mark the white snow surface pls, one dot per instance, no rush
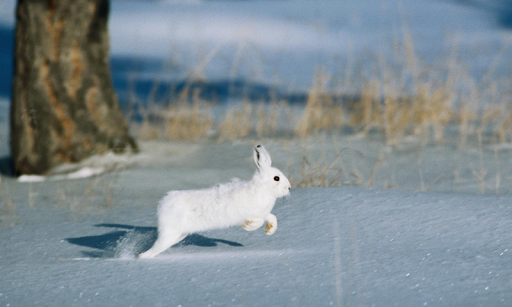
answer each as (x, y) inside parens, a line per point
(340, 246)
(281, 43)
(82, 173)
(335, 246)
(90, 167)
(31, 178)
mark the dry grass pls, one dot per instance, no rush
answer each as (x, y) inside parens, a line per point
(321, 173)
(267, 118)
(238, 123)
(255, 119)
(341, 166)
(367, 112)
(402, 100)
(424, 114)
(7, 207)
(322, 111)
(183, 120)
(97, 197)
(188, 122)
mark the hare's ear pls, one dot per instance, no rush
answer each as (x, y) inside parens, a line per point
(262, 158)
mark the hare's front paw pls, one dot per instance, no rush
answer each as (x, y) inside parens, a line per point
(253, 224)
(271, 227)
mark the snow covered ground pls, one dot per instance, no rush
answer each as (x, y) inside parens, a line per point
(74, 240)
(334, 247)
(265, 45)
(259, 47)
(340, 246)
(310, 33)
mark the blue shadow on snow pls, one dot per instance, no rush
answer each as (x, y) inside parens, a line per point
(142, 238)
(125, 70)
(501, 8)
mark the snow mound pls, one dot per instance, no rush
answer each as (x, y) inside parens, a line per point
(85, 172)
(93, 166)
(31, 178)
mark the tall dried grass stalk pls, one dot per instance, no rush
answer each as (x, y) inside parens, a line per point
(186, 121)
(7, 207)
(237, 123)
(322, 111)
(400, 99)
(96, 197)
(367, 113)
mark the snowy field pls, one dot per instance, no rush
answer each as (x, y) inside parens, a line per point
(262, 46)
(334, 247)
(407, 226)
(74, 242)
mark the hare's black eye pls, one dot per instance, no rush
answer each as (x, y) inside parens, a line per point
(276, 178)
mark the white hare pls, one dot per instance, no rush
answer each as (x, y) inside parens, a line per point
(246, 203)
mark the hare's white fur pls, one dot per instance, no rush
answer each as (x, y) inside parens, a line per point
(237, 202)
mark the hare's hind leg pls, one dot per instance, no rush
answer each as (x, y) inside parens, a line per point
(164, 241)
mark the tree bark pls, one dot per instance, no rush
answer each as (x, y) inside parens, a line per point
(64, 107)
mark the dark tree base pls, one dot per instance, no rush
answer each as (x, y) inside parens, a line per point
(64, 107)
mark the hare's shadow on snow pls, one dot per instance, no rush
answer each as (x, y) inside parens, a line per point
(131, 240)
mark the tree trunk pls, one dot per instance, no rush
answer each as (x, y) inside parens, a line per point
(64, 107)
